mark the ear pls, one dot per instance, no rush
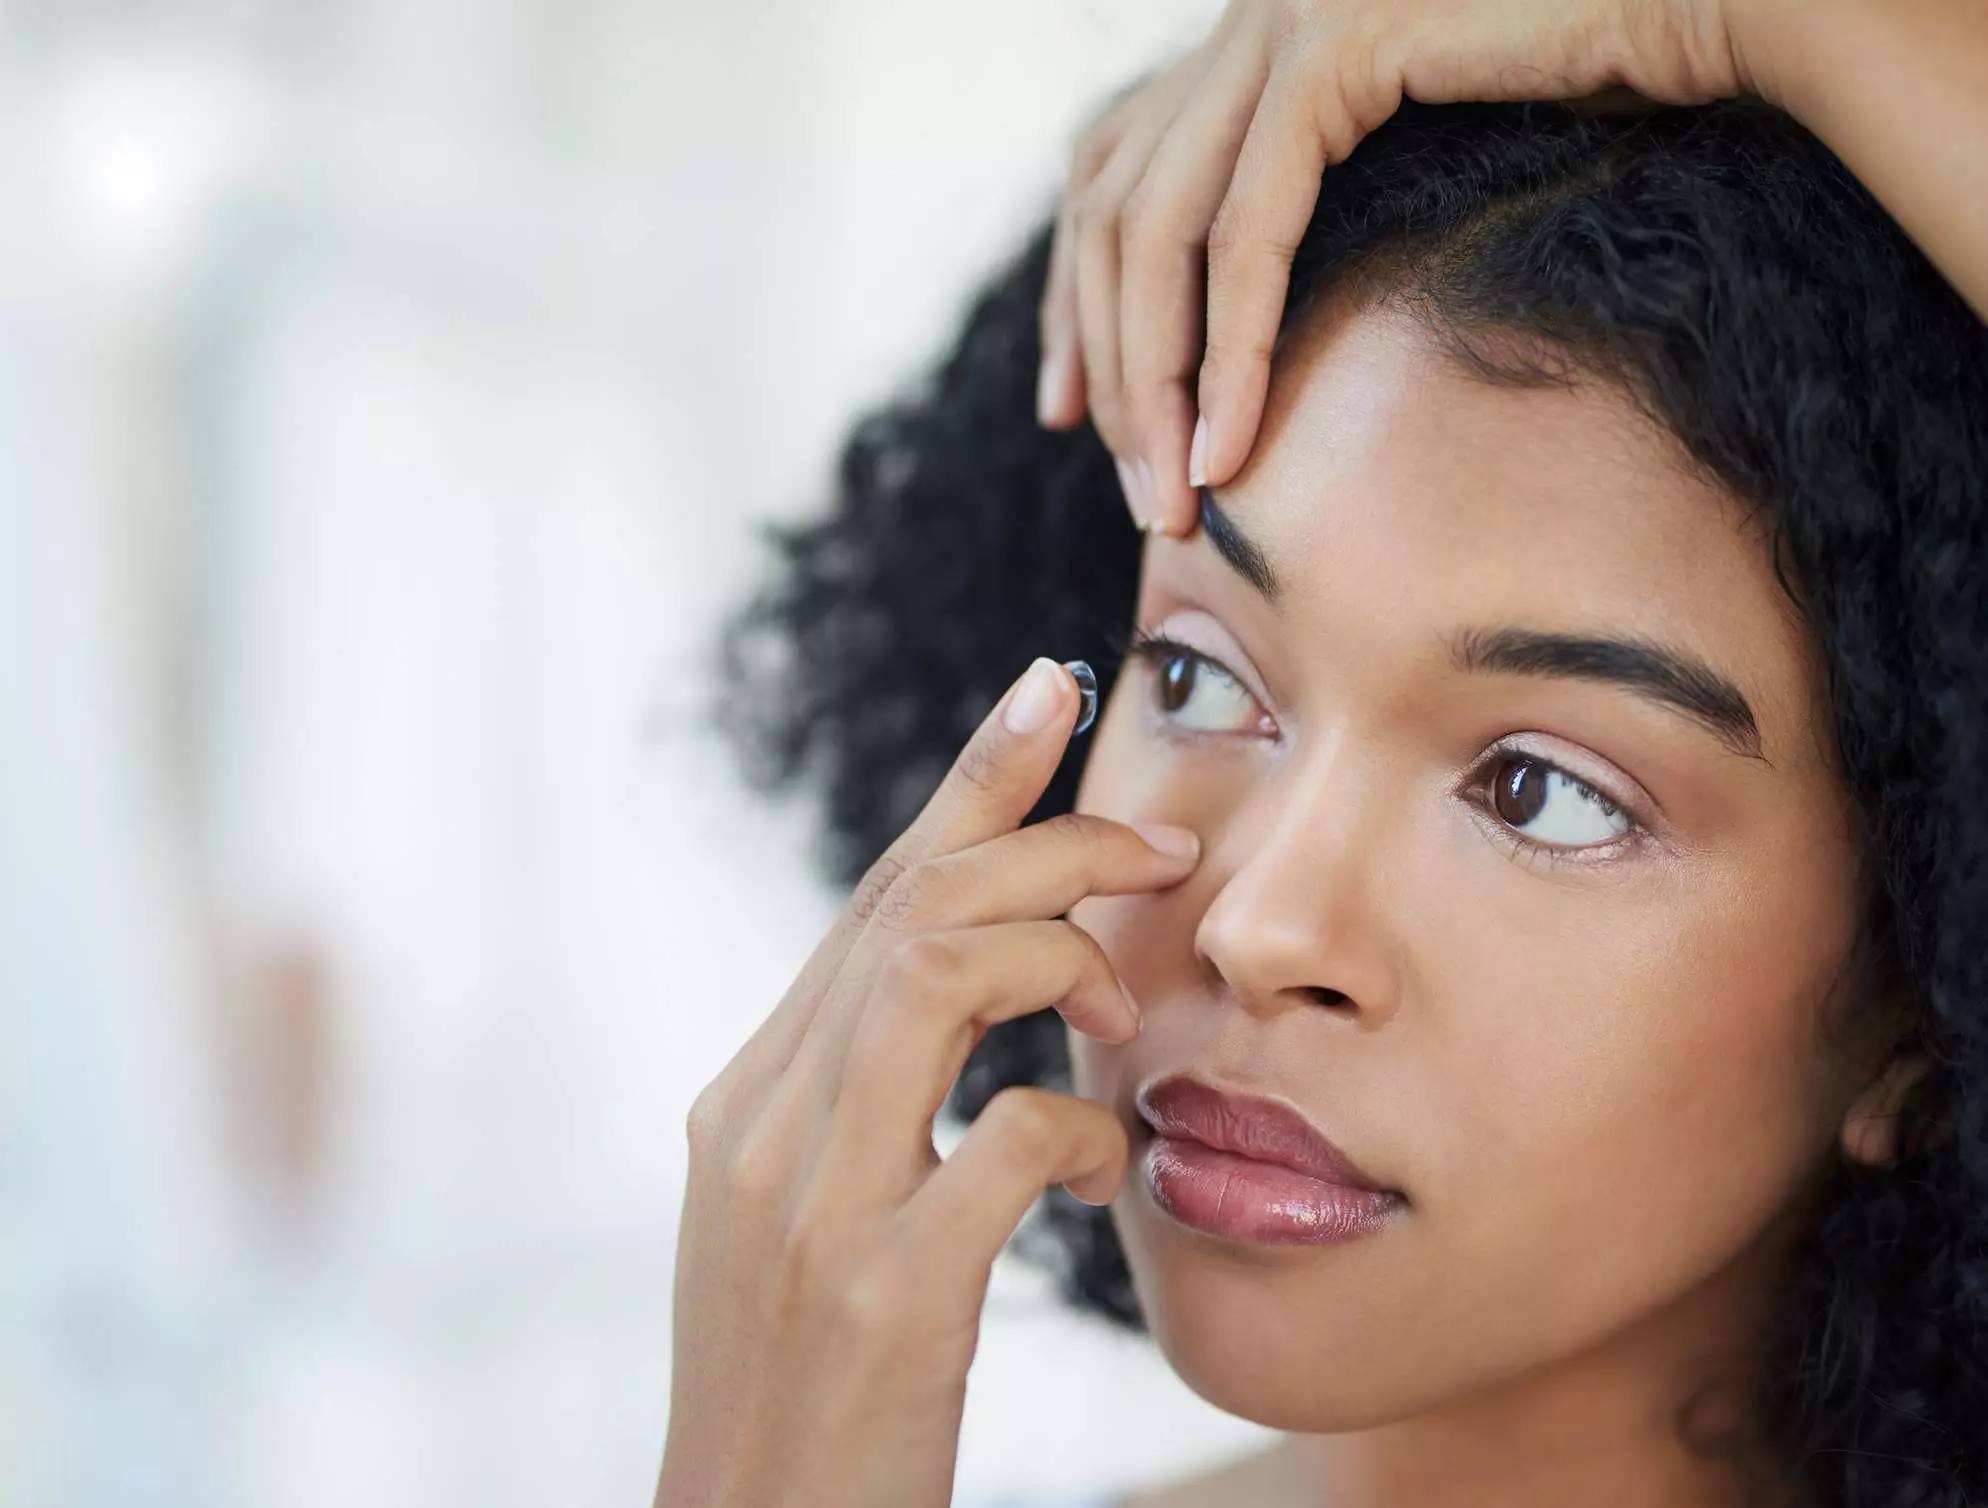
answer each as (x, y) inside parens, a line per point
(1870, 1126)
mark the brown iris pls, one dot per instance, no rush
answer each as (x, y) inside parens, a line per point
(1176, 681)
(1519, 790)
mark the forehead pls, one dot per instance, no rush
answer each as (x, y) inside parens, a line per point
(1400, 495)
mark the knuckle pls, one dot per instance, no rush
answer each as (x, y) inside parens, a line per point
(1235, 234)
(868, 1305)
(1227, 235)
(922, 966)
(1075, 830)
(1230, 351)
(1092, 152)
(1088, 948)
(907, 905)
(1026, 1123)
(1291, 31)
(1145, 217)
(877, 882)
(979, 768)
(1095, 214)
(756, 1175)
(710, 1114)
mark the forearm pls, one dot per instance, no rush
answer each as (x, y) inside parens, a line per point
(1899, 90)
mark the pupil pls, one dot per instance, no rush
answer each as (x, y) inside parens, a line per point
(1176, 682)
(1521, 792)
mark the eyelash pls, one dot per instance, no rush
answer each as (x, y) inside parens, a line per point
(1155, 649)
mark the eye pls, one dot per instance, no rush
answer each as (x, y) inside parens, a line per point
(1193, 691)
(1546, 805)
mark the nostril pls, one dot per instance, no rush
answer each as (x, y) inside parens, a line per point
(1325, 996)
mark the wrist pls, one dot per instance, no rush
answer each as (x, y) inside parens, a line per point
(1785, 50)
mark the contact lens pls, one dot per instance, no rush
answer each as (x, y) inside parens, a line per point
(1087, 685)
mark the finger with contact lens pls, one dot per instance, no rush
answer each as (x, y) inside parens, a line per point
(993, 784)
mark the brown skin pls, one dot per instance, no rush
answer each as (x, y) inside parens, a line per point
(1604, 1088)
(1607, 1088)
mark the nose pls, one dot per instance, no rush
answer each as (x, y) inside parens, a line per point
(1301, 917)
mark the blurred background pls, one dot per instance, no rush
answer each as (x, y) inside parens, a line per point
(389, 394)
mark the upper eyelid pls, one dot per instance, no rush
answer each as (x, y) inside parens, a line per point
(1631, 802)
(1150, 642)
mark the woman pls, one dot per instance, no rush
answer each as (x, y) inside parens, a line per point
(1521, 1023)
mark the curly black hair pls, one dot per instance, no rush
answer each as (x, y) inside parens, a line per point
(1725, 268)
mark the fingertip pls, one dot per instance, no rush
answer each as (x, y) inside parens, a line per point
(1045, 390)
(1182, 509)
(1128, 484)
(1037, 697)
(1058, 395)
(1132, 1011)
(1197, 453)
(1097, 1189)
(1181, 843)
(1169, 504)
(1231, 414)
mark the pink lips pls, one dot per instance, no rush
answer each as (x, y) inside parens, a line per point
(1250, 1169)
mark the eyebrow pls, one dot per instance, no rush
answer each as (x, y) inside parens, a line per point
(1666, 676)
(1237, 548)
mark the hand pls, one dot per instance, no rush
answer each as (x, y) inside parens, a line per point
(1211, 171)
(831, 1267)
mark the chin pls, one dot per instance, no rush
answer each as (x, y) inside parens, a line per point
(1313, 1339)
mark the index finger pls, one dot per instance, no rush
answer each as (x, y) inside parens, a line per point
(1298, 128)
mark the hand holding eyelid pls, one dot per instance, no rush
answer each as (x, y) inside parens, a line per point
(1184, 207)
(826, 1246)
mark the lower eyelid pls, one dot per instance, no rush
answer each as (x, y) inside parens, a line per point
(1556, 853)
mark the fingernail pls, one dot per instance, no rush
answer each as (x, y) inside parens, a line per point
(1128, 482)
(1149, 495)
(1036, 699)
(1049, 383)
(1197, 454)
(1175, 842)
(1138, 1016)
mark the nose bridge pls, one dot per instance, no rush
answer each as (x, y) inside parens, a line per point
(1298, 865)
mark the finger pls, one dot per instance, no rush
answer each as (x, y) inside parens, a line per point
(1059, 385)
(1163, 258)
(1035, 874)
(1096, 218)
(935, 997)
(1038, 871)
(993, 784)
(1059, 388)
(1300, 125)
(1096, 211)
(1025, 1140)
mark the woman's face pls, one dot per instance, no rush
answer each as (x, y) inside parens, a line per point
(1548, 952)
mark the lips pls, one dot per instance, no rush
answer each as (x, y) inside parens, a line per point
(1248, 1125)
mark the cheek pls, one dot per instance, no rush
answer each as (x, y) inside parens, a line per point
(1635, 1090)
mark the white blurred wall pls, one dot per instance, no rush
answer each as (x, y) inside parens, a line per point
(388, 390)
